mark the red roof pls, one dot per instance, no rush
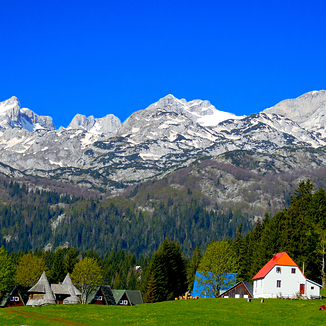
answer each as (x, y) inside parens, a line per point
(280, 259)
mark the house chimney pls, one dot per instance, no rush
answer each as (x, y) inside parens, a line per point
(274, 256)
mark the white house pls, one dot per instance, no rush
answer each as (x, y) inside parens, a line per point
(281, 277)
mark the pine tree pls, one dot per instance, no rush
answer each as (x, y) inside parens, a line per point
(241, 255)
(167, 266)
(58, 270)
(71, 259)
(150, 295)
(7, 269)
(192, 267)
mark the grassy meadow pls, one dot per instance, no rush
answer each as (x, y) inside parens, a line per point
(194, 312)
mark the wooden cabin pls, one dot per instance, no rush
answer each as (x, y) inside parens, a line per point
(101, 295)
(239, 290)
(18, 296)
(127, 297)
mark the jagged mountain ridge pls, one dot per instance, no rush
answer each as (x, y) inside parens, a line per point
(168, 135)
(12, 115)
(308, 110)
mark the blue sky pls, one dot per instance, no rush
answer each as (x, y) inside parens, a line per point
(98, 57)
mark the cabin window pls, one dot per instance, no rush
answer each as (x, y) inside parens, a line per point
(17, 299)
(12, 298)
(278, 269)
(312, 287)
(293, 270)
(99, 298)
(278, 283)
(123, 302)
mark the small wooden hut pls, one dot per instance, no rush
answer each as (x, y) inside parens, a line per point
(239, 290)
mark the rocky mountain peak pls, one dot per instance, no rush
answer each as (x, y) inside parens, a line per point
(202, 112)
(9, 104)
(301, 108)
(308, 110)
(12, 115)
(108, 125)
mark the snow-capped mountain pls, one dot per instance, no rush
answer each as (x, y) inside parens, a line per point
(202, 112)
(12, 115)
(169, 134)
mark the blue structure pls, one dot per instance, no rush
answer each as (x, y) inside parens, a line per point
(199, 290)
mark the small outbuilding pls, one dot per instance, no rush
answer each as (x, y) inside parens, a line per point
(127, 297)
(240, 290)
(101, 295)
(18, 296)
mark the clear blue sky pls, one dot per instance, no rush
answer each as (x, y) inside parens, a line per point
(98, 57)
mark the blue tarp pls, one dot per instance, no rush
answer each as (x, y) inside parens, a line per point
(229, 280)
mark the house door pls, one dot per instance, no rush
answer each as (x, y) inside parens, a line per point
(301, 288)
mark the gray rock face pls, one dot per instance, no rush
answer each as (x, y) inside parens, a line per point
(108, 125)
(11, 115)
(81, 122)
(308, 110)
(151, 143)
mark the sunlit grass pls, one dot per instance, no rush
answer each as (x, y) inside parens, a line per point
(203, 311)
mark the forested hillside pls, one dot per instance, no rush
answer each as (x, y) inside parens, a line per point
(33, 220)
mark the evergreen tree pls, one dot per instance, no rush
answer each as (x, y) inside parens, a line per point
(241, 256)
(7, 269)
(58, 271)
(71, 259)
(150, 295)
(192, 268)
(167, 267)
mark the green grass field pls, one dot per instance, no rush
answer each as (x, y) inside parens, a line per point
(193, 312)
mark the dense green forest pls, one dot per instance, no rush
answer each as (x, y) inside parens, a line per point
(31, 220)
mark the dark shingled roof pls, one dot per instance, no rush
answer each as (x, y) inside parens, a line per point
(134, 297)
(107, 292)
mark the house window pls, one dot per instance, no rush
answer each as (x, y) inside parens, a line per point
(12, 298)
(293, 270)
(278, 269)
(17, 299)
(312, 287)
(278, 283)
(99, 298)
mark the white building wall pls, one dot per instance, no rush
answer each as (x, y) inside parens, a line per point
(312, 290)
(289, 283)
